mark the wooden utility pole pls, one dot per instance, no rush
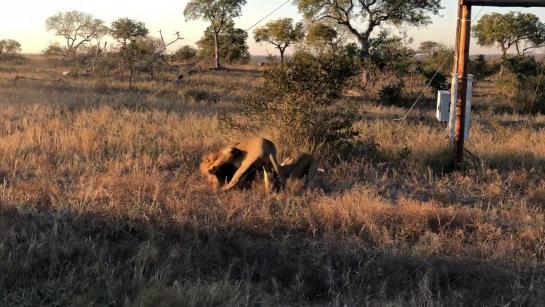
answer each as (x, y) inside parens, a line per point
(461, 71)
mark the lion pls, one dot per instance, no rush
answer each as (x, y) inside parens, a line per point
(222, 175)
(245, 157)
(297, 171)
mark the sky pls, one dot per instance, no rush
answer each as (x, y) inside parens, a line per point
(24, 20)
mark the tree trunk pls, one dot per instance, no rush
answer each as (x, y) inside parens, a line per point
(362, 37)
(365, 73)
(364, 44)
(217, 50)
(282, 51)
(130, 78)
(503, 57)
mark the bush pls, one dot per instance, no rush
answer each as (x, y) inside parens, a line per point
(391, 94)
(54, 49)
(523, 84)
(108, 64)
(9, 51)
(438, 80)
(390, 60)
(185, 54)
(322, 78)
(9, 46)
(299, 100)
(521, 66)
(481, 69)
(434, 65)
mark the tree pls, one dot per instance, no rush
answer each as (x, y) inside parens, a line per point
(150, 56)
(537, 40)
(392, 61)
(185, 53)
(281, 33)
(136, 54)
(132, 47)
(98, 31)
(126, 30)
(219, 13)
(233, 41)
(362, 17)
(321, 37)
(523, 31)
(435, 64)
(433, 55)
(54, 49)
(430, 48)
(160, 52)
(390, 53)
(9, 46)
(76, 27)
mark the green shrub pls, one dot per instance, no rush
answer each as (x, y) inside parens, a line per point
(185, 54)
(521, 66)
(523, 84)
(481, 69)
(436, 79)
(391, 94)
(299, 99)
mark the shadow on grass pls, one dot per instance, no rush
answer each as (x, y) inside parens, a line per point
(441, 162)
(515, 161)
(522, 124)
(59, 258)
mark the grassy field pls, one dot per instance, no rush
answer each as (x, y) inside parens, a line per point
(101, 203)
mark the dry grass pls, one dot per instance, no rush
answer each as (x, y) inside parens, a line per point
(102, 204)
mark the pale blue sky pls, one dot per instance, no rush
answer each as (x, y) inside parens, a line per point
(25, 20)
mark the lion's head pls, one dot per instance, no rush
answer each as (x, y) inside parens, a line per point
(227, 156)
(217, 169)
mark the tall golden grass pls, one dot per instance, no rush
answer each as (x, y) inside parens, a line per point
(101, 203)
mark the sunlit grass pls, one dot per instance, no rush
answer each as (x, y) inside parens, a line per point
(101, 203)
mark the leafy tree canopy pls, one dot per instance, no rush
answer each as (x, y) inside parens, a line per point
(220, 13)
(322, 38)
(524, 31)
(390, 53)
(361, 18)
(185, 53)
(127, 30)
(9, 46)
(281, 33)
(232, 41)
(76, 27)
(320, 34)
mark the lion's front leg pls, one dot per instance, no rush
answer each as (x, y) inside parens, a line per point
(239, 175)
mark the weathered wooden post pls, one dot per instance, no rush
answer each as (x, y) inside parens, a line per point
(461, 71)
